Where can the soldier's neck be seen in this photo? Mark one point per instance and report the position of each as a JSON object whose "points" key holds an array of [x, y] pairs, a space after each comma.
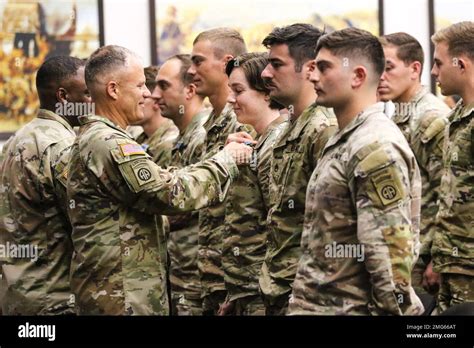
{"points": [[306, 98], [349, 110], [408, 94], [113, 115], [218, 100], [468, 95]]}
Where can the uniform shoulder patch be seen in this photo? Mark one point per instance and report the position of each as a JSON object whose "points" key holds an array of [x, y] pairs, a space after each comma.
{"points": [[434, 128], [129, 149]]}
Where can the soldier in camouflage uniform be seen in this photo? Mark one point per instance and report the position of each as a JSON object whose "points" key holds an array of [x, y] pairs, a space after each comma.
{"points": [[212, 49], [245, 234], [361, 228], [159, 133], [422, 118], [453, 244], [294, 156], [179, 102], [115, 191], [32, 209]]}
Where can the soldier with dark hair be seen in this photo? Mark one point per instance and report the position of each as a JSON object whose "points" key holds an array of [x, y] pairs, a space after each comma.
{"points": [[32, 205]]}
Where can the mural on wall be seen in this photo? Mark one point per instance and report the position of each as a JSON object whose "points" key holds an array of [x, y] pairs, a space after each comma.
{"points": [[179, 21], [30, 32]]}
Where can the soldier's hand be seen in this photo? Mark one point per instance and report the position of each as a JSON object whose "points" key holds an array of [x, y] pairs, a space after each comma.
{"points": [[242, 154], [240, 137], [226, 308], [431, 280]]}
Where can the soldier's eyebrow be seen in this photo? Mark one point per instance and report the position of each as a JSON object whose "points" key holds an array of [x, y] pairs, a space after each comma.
{"points": [[322, 64], [197, 58], [163, 83]]}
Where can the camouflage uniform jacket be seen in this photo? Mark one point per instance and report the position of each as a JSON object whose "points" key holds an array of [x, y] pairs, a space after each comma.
{"points": [[361, 229], [33, 215], [295, 155], [422, 123], [245, 236], [183, 239], [161, 142], [453, 245], [114, 191], [211, 219]]}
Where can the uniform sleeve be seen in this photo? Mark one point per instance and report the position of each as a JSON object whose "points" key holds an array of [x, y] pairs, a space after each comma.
{"points": [[134, 179], [430, 156], [382, 193]]}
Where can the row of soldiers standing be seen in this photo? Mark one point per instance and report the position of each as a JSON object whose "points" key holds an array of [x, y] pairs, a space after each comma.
{"points": [[245, 234]]}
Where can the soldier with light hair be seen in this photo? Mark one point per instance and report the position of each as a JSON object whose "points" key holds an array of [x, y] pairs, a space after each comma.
{"points": [[453, 243], [421, 117]]}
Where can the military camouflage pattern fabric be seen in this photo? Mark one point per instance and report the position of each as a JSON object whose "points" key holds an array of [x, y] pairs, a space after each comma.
{"points": [[361, 229], [183, 239], [422, 121], [245, 234], [211, 219], [453, 245], [160, 144], [295, 155], [115, 192], [455, 289], [33, 219]]}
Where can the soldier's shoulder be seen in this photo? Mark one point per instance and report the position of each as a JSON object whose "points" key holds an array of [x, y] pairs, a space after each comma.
{"points": [[431, 124], [322, 118]]}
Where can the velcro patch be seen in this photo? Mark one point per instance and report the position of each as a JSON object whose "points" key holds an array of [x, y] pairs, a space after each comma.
{"points": [[387, 186], [131, 149], [142, 173]]}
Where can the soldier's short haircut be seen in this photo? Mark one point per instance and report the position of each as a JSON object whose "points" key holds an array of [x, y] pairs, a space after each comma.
{"points": [[409, 50], [186, 63], [300, 38], [150, 76], [253, 64], [224, 41], [459, 37], [104, 60], [355, 43], [54, 72]]}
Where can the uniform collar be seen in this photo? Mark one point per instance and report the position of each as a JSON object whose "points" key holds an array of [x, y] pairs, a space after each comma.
{"points": [[275, 123], [49, 115], [196, 121], [83, 120], [354, 124], [219, 120], [404, 117], [461, 111], [301, 122]]}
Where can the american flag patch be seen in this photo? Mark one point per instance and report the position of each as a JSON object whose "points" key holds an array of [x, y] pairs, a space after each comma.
{"points": [[131, 149]]}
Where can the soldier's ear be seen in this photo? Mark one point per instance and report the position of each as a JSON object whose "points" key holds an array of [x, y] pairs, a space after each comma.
{"points": [[359, 76], [190, 91], [61, 95], [226, 59], [112, 89]]}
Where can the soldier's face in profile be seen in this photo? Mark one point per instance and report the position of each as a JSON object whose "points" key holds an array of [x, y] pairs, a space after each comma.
{"points": [[398, 76], [281, 77], [169, 90], [208, 71], [331, 79], [77, 91], [247, 102], [445, 69], [133, 92]]}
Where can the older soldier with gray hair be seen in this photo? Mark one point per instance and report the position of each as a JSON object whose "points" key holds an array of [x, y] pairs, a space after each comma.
{"points": [[116, 192]]}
